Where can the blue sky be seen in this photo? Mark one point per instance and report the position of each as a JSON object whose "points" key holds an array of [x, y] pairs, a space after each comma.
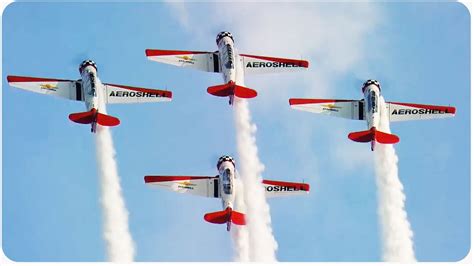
{"points": [[420, 52]]}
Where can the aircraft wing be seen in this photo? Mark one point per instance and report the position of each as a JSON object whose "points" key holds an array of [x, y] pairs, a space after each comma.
{"points": [[64, 88], [279, 188], [255, 64], [411, 111], [350, 109], [204, 61], [206, 186], [127, 94]]}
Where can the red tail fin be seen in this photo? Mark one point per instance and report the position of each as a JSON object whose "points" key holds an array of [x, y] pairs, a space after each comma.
{"points": [[227, 215], [92, 116], [230, 89], [373, 134]]}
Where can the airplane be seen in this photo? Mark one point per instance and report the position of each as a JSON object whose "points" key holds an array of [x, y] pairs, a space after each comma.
{"points": [[88, 90], [368, 109], [223, 186], [227, 61]]}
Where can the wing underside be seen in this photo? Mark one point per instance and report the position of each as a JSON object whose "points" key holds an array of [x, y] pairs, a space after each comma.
{"points": [[204, 61], [68, 89], [128, 94], [349, 109], [205, 186], [255, 64], [280, 188], [410, 111]]}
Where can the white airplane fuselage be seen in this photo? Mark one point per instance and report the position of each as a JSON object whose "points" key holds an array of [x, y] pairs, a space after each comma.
{"points": [[90, 86], [227, 188], [372, 107], [228, 59]]}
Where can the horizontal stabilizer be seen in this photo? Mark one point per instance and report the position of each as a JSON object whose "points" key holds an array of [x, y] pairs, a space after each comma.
{"points": [[92, 116], [221, 90], [373, 134], [227, 215], [84, 117], [386, 138], [244, 92], [107, 120], [230, 89]]}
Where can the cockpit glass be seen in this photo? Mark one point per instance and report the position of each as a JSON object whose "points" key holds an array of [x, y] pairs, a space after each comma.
{"points": [[373, 101], [92, 79], [229, 64], [226, 181], [230, 57]]}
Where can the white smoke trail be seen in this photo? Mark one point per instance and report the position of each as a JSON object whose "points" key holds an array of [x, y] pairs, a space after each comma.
{"points": [[262, 244], [240, 234], [396, 232], [119, 242]]}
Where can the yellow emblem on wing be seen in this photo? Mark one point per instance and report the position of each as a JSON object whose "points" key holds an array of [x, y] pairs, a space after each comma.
{"points": [[186, 185], [50, 87], [186, 59], [331, 107]]}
